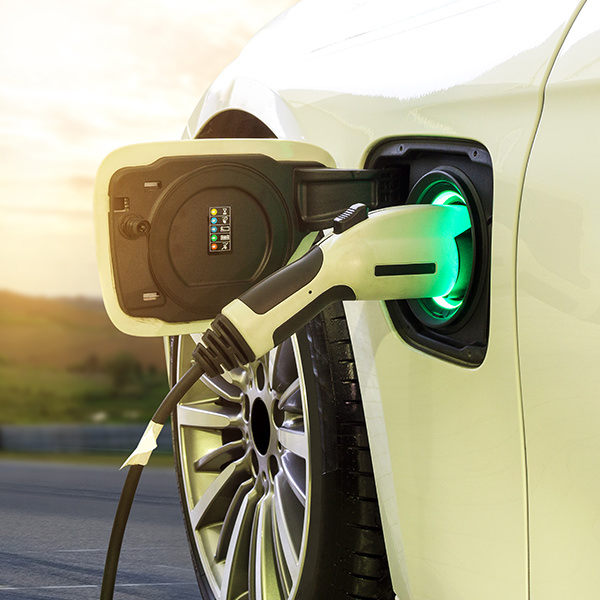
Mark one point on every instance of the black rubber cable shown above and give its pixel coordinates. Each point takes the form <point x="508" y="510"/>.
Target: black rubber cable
<point x="176" y="393"/>
<point x="131" y="482"/>
<point x="118" y="529"/>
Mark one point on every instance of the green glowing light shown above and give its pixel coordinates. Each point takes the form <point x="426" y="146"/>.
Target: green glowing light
<point x="444" y="198"/>
<point x="447" y="302"/>
<point x="442" y="308"/>
<point x="448" y="197"/>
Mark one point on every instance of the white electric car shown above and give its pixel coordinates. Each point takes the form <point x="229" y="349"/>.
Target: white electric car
<point x="426" y="449"/>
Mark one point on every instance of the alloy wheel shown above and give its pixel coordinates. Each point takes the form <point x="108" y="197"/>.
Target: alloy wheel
<point x="244" y="456"/>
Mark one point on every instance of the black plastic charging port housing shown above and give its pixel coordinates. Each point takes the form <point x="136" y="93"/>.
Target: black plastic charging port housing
<point x="441" y="171"/>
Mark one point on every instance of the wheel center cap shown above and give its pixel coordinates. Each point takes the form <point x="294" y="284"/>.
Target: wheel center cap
<point x="260" y="424"/>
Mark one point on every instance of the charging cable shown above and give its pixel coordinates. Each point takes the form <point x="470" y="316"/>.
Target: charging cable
<point x="399" y="252"/>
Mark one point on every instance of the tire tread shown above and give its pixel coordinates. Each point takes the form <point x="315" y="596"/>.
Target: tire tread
<point x="363" y="572"/>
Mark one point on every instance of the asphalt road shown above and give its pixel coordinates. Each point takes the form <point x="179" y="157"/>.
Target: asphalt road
<point x="55" y="522"/>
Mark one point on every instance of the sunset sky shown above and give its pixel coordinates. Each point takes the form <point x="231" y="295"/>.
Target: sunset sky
<point x="78" y="80"/>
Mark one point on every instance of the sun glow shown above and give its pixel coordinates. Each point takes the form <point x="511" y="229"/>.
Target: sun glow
<point x="80" y="79"/>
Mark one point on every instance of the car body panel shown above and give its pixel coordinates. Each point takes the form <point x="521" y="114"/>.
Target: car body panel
<point x="447" y="442"/>
<point x="559" y="322"/>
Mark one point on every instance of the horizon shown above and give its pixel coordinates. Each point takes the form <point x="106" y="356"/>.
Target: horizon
<point x="40" y="296"/>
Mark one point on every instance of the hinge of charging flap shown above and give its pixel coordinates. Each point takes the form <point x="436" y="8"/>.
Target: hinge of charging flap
<point x="322" y="194"/>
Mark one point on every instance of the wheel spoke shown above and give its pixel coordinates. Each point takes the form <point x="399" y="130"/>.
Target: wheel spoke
<point x="293" y="438"/>
<point x="239" y="377"/>
<point x="207" y="415"/>
<point x="270" y="366"/>
<point x="229" y="520"/>
<point x="222" y="388"/>
<point x="235" y="575"/>
<point x="214" y="461"/>
<point x="283" y="528"/>
<point x="263" y="574"/>
<point x="285" y="580"/>
<point x="291" y="399"/>
<point x="211" y="507"/>
<point x="294" y="469"/>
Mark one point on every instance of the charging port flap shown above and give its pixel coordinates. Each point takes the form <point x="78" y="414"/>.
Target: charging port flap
<point x="184" y="227"/>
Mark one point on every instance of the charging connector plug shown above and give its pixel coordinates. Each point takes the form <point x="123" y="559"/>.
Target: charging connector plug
<point x="393" y="253"/>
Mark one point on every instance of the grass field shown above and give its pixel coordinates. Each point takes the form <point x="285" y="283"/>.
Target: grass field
<point x="61" y="333"/>
<point x="97" y="458"/>
<point x="44" y="395"/>
<point x="62" y="361"/>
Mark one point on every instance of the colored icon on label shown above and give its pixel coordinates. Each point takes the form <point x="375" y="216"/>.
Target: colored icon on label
<point x="213" y="238"/>
<point x="213" y="229"/>
<point x="213" y="246"/>
<point x="213" y="211"/>
<point x="213" y="220"/>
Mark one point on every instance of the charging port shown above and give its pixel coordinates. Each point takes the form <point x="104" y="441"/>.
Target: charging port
<point x="444" y="172"/>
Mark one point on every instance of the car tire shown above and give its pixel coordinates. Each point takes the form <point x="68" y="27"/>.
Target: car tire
<point x="336" y="536"/>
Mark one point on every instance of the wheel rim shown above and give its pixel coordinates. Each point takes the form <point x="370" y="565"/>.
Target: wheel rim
<point x="244" y="456"/>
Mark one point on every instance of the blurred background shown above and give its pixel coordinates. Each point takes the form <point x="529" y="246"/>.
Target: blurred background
<point x="78" y="80"/>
